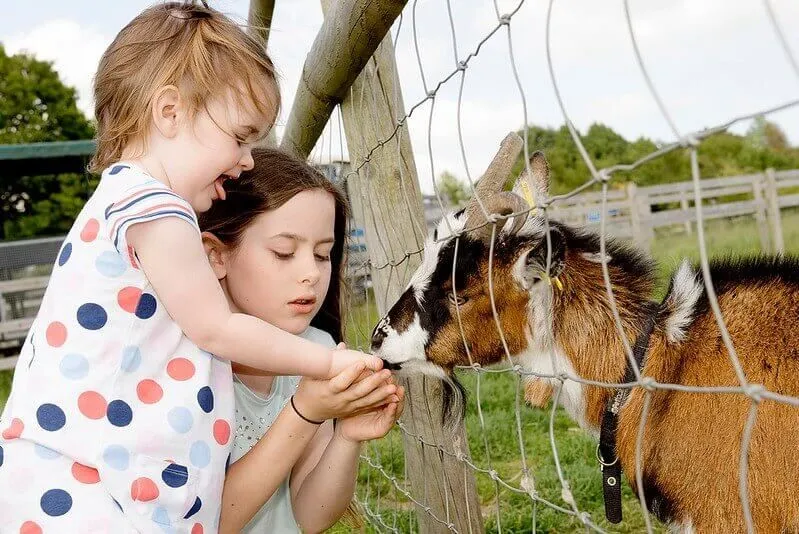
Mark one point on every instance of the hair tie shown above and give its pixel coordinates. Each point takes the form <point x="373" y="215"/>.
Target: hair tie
<point x="302" y="416"/>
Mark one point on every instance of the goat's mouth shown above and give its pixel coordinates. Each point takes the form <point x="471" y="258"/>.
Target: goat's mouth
<point x="453" y="394"/>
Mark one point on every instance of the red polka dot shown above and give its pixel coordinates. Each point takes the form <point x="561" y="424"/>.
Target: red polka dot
<point x="197" y="529"/>
<point x="128" y="298"/>
<point x="29" y="527"/>
<point x="89" y="232"/>
<point x="85" y="474"/>
<point x="180" y="369"/>
<point x="143" y="489"/>
<point x="14" y="430"/>
<point x="92" y="405"/>
<point x="149" y="391"/>
<point x="221" y="431"/>
<point x="56" y="334"/>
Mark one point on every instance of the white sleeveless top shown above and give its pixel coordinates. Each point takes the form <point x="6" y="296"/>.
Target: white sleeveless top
<point x="254" y="416"/>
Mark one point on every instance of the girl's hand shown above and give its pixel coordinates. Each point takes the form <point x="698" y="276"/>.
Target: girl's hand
<point x="353" y="390"/>
<point x="372" y="424"/>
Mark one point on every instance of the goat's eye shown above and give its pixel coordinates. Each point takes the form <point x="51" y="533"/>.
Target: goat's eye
<point x="460" y="300"/>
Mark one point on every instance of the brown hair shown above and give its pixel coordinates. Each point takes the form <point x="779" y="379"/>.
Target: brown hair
<point x="176" y="43"/>
<point x="275" y="179"/>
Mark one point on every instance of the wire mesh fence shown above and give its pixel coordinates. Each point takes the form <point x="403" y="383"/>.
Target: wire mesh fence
<point x="530" y="491"/>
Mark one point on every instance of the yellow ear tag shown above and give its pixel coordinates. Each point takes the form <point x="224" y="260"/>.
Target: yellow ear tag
<point x="527" y="193"/>
<point x="558" y="283"/>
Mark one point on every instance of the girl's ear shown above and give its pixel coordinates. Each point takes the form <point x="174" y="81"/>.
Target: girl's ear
<point x="167" y="108"/>
<point x="217" y="254"/>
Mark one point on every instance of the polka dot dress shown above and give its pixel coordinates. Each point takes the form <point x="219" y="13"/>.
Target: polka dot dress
<point x="116" y="421"/>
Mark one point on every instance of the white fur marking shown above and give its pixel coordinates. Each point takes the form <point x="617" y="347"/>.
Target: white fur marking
<point x="408" y="345"/>
<point x="421" y="278"/>
<point x="685" y="291"/>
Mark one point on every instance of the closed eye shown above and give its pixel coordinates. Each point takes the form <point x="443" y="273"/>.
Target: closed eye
<point x="459" y="300"/>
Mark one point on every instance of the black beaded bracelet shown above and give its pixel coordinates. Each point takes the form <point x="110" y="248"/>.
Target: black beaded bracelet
<point x="302" y="416"/>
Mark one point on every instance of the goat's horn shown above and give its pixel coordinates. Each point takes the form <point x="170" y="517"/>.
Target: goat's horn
<point x="503" y="203"/>
<point x="495" y="176"/>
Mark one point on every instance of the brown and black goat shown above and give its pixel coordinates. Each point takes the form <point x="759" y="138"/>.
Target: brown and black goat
<point x="692" y="441"/>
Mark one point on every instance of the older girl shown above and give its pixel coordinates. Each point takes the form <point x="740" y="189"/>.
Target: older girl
<point x="277" y="244"/>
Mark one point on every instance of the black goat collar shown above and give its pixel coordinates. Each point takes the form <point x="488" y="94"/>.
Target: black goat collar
<point x="606" y="450"/>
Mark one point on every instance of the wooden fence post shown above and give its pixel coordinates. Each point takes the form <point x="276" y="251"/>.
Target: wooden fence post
<point x="760" y="215"/>
<point x="773" y="199"/>
<point x="684" y="206"/>
<point x="387" y="195"/>
<point x="640" y="213"/>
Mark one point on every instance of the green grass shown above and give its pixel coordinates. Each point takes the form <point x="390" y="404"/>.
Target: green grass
<point x="497" y="393"/>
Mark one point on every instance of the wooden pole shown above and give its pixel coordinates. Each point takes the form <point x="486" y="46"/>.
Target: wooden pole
<point x="773" y="199"/>
<point x="347" y="39"/>
<point x="761" y="216"/>
<point x="259" y="24"/>
<point x="386" y="195"/>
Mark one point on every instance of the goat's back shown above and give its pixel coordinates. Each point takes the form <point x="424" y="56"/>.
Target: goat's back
<point x="692" y="445"/>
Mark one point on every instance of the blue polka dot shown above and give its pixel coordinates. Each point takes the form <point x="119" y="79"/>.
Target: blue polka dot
<point x="110" y="264"/>
<point x="200" y="454"/>
<point x="131" y="359"/>
<point x="161" y="516"/>
<point x="74" y="366"/>
<point x="92" y="316"/>
<point x="119" y="413"/>
<point x="1" y="456"/>
<point x="46" y="453"/>
<point x="51" y="417"/>
<point x="180" y="419"/>
<point x="175" y="475"/>
<point x="116" y="457"/>
<point x="66" y="252"/>
<point x="194" y="508"/>
<point x="146" y="307"/>
<point x="56" y="502"/>
<point x="206" y="399"/>
<point x="116" y="169"/>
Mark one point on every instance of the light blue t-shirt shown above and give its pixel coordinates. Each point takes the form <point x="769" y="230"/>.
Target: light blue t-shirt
<point x="254" y="415"/>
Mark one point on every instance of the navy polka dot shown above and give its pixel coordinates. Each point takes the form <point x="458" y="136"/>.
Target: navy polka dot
<point x="50" y="417"/>
<point x="92" y="316"/>
<point x="194" y="508"/>
<point x="116" y="169"/>
<point x="66" y="252"/>
<point x="1" y="456"/>
<point x="206" y="399"/>
<point x="175" y="475"/>
<point x="56" y="502"/>
<point x="146" y="307"/>
<point x="119" y="413"/>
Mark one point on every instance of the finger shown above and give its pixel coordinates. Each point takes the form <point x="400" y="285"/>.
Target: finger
<point x="368" y="385"/>
<point x="347" y="377"/>
<point x="379" y="395"/>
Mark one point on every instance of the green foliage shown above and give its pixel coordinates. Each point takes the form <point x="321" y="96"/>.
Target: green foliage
<point x="35" y="106"/>
<point x="725" y="154"/>
<point x="455" y="191"/>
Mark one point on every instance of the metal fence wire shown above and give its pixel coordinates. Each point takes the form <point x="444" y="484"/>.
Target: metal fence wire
<point x="384" y="492"/>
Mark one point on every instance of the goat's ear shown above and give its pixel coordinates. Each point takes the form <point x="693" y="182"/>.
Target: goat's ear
<point x="534" y="179"/>
<point x="535" y="259"/>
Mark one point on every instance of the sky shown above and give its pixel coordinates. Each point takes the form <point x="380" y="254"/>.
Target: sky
<point x="710" y="61"/>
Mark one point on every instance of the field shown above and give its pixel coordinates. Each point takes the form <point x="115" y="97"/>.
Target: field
<point x="575" y="449"/>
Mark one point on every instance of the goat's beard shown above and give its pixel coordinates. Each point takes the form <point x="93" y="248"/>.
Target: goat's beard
<point x="453" y="394"/>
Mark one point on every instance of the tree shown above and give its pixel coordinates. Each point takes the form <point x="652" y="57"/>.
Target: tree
<point x="453" y="190"/>
<point x="36" y="106"/>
